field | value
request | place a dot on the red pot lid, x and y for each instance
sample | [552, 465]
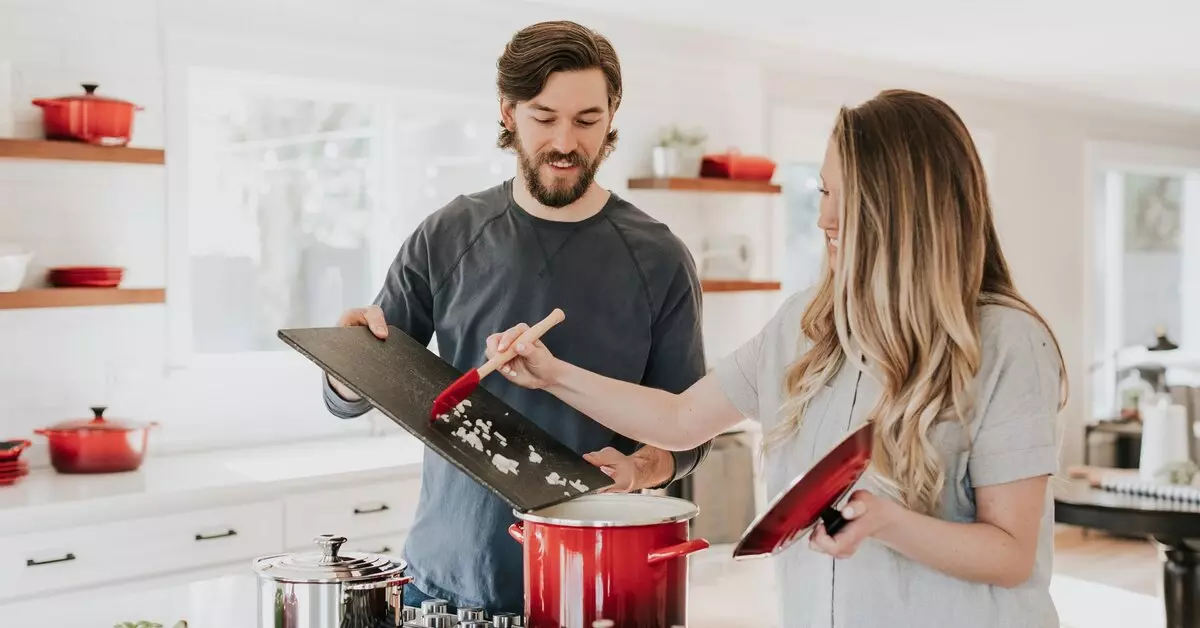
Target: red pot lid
[89, 95]
[810, 497]
[96, 423]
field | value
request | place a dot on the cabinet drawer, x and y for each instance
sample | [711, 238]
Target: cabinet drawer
[391, 545]
[355, 512]
[60, 559]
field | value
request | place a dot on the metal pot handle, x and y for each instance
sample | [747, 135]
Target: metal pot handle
[517, 532]
[401, 581]
[677, 551]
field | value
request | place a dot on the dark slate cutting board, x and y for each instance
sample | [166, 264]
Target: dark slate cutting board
[401, 378]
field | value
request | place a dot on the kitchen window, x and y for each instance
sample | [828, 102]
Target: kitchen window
[1145, 269]
[300, 194]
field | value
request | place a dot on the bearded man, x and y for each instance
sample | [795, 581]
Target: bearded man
[548, 238]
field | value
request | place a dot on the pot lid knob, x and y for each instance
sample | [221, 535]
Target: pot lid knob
[330, 545]
[90, 87]
[98, 411]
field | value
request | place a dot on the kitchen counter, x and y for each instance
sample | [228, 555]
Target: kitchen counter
[229, 600]
[46, 499]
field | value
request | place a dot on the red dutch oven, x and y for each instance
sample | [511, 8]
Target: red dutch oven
[96, 445]
[88, 118]
[615, 556]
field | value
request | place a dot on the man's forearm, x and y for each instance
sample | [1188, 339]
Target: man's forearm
[342, 390]
[340, 406]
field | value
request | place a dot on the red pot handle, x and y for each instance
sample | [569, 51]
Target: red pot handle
[517, 532]
[676, 551]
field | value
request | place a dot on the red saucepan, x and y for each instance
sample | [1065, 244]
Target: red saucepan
[615, 556]
[811, 496]
[88, 118]
[96, 445]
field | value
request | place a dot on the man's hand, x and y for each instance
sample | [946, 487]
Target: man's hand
[370, 317]
[646, 468]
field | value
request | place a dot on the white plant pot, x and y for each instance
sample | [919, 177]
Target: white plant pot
[665, 162]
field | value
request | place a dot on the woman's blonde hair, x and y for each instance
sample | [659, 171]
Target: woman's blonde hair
[918, 257]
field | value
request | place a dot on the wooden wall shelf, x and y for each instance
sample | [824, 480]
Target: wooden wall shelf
[706, 185]
[738, 285]
[77, 151]
[79, 297]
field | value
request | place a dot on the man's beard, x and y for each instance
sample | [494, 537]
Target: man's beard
[559, 194]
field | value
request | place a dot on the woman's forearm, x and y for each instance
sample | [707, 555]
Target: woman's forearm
[646, 415]
[979, 552]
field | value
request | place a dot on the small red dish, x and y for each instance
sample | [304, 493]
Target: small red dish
[12, 472]
[86, 276]
[10, 450]
[794, 512]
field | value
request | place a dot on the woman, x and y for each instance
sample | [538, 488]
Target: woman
[916, 327]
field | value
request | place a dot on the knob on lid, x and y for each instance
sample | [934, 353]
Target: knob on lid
[329, 564]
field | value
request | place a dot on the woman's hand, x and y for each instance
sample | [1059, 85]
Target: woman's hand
[533, 367]
[867, 516]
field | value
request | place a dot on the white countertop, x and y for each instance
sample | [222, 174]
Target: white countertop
[46, 499]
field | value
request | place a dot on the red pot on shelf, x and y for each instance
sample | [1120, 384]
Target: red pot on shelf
[621, 557]
[734, 165]
[97, 445]
[88, 118]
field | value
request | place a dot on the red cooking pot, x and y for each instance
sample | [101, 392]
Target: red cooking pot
[88, 118]
[614, 556]
[96, 445]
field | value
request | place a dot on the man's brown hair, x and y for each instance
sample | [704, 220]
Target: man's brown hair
[535, 52]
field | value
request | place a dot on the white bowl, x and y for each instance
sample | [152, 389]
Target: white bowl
[13, 265]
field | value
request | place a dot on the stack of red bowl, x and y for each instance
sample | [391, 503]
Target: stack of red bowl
[12, 468]
[86, 276]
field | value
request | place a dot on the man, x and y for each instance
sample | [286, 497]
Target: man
[551, 237]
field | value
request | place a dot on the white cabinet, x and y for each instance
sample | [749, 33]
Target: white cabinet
[197, 519]
[44, 562]
[355, 512]
[391, 545]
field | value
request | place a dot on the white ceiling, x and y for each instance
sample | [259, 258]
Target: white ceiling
[1148, 55]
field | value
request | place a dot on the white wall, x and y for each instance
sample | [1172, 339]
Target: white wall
[140, 49]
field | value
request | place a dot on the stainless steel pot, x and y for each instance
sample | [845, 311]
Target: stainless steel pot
[327, 590]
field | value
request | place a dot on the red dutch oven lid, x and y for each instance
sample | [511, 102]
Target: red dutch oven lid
[89, 95]
[810, 497]
[96, 423]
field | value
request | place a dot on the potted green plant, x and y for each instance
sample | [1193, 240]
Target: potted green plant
[678, 152]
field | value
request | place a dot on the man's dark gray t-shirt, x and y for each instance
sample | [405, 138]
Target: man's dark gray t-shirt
[480, 265]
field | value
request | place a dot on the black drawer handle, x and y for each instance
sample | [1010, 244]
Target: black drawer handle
[367, 511]
[29, 562]
[219, 535]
